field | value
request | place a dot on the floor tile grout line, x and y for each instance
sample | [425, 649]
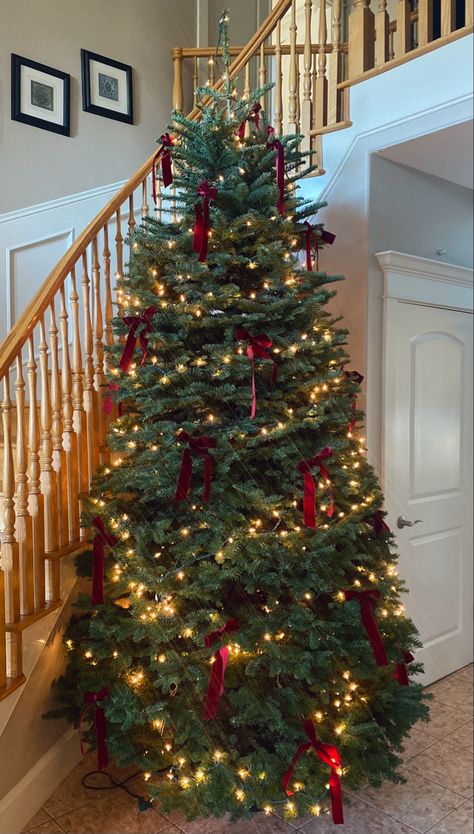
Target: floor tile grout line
[434, 782]
[390, 816]
[453, 811]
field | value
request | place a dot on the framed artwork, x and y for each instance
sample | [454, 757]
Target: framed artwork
[40, 95]
[106, 87]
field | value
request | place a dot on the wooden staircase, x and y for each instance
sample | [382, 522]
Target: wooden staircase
[55, 353]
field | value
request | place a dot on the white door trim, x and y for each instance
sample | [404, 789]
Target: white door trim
[438, 283]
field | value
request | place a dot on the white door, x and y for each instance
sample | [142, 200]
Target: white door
[427, 473]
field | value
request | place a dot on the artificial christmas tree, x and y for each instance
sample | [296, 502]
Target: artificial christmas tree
[251, 610]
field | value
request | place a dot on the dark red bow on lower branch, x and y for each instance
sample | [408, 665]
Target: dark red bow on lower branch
[216, 682]
[198, 446]
[401, 671]
[91, 699]
[253, 116]
[257, 347]
[379, 524]
[202, 223]
[164, 154]
[280, 166]
[367, 601]
[328, 754]
[357, 379]
[134, 323]
[101, 540]
[309, 500]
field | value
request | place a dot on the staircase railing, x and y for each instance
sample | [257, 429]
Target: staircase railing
[55, 354]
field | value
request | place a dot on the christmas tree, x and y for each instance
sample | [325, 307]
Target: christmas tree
[248, 649]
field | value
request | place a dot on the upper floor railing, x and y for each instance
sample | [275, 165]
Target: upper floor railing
[53, 363]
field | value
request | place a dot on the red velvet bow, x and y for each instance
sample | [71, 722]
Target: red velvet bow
[379, 524]
[367, 601]
[91, 698]
[280, 166]
[201, 225]
[357, 379]
[253, 116]
[216, 682]
[401, 672]
[101, 539]
[134, 322]
[328, 754]
[257, 347]
[309, 501]
[200, 446]
[311, 237]
[167, 171]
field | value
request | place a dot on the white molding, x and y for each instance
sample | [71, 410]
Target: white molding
[31, 792]
[61, 202]
[411, 278]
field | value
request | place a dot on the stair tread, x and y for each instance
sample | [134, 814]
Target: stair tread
[27, 620]
[11, 685]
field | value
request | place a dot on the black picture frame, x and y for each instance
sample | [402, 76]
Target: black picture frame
[91, 106]
[18, 113]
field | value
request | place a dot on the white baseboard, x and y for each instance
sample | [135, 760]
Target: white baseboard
[27, 797]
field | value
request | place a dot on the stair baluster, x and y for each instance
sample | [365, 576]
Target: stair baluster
[23, 518]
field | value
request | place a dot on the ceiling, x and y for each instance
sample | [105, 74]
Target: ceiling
[445, 153]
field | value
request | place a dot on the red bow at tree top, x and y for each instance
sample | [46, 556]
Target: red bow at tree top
[328, 754]
[91, 698]
[280, 166]
[201, 225]
[216, 683]
[401, 672]
[379, 524]
[357, 379]
[198, 446]
[257, 347]
[367, 601]
[101, 540]
[312, 238]
[253, 116]
[134, 323]
[309, 500]
[164, 153]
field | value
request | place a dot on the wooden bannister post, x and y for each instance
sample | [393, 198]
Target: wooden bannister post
[57, 434]
[361, 38]
[35, 496]
[23, 518]
[403, 35]
[307, 105]
[293, 74]
[425, 22]
[262, 73]
[90, 399]
[10, 554]
[381, 34]
[70, 437]
[448, 17]
[3, 636]
[321, 94]
[48, 473]
[468, 13]
[178, 92]
[278, 83]
[79, 413]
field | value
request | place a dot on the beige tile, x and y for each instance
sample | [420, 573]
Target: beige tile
[459, 822]
[359, 818]
[455, 691]
[443, 720]
[414, 743]
[38, 819]
[419, 803]
[462, 736]
[258, 824]
[117, 814]
[71, 794]
[447, 764]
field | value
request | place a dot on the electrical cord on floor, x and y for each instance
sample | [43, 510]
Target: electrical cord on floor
[143, 804]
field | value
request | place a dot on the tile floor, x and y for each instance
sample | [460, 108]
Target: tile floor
[436, 798]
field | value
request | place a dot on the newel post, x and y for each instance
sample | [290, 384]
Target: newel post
[178, 92]
[361, 38]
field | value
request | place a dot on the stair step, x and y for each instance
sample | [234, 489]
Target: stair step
[27, 620]
[11, 685]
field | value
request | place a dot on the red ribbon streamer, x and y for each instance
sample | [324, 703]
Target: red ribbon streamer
[134, 322]
[257, 347]
[309, 500]
[201, 225]
[311, 237]
[379, 525]
[328, 754]
[280, 166]
[357, 379]
[401, 672]
[109, 401]
[164, 153]
[101, 539]
[200, 446]
[91, 698]
[253, 116]
[216, 682]
[367, 601]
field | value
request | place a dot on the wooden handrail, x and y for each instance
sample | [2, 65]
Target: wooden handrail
[269, 51]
